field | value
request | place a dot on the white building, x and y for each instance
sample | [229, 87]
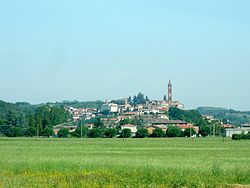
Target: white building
[133, 128]
[109, 107]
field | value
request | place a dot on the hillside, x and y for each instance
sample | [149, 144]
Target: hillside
[226, 115]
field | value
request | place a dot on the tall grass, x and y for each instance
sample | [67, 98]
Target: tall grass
[116, 163]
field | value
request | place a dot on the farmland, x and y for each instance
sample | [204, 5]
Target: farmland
[178, 162]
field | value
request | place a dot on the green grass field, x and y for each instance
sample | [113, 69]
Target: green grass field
[131, 163]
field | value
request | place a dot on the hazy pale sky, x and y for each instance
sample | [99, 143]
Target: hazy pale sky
[52, 50]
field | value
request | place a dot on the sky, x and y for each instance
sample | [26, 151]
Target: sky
[54, 50]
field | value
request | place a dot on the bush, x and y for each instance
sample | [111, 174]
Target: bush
[126, 133]
[110, 133]
[47, 132]
[174, 131]
[141, 133]
[30, 132]
[96, 133]
[63, 133]
[204, 131]
[246, 136]
[78, 130]
[236, 136]
[187, 132]
[16, 132]
[158, 132]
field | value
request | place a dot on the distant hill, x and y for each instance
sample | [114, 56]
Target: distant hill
[226, 115]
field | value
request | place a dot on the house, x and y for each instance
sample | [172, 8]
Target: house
[109, 108]
[58, 127]
[188, 126]
[133, 128]
[231, 132]
[151, 128]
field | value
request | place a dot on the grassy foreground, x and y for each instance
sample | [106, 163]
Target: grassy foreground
[147, 162]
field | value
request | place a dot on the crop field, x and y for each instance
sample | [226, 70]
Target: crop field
[178, 162]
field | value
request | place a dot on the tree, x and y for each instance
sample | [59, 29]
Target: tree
[141, 133]
[174, 131]
[204, 131]
[187, 132]
[96, 133]
[126, 121]
[30, 132]
[126, 133]
[63, 133]
[48, 132]
[110, 133]
[158, 132]
[16, 132]
[165, 97]
[78, 130]
[98, 123]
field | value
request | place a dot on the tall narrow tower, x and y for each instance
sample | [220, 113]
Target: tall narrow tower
[170, 94]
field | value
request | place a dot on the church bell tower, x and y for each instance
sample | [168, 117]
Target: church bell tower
[170, 94]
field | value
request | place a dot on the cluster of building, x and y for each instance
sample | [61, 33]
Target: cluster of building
[153, 114]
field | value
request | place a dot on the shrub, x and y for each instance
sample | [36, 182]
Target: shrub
[96, 133]
[63, 133]
[174, 131]
[236, 136]
[110, 133]
[158, 132]
[187, 132]
[78, 130]
[245, 136]
[126, 133]
[141, 133]
[30, 132]
[204, 131]
[16, 132]
[47, 132]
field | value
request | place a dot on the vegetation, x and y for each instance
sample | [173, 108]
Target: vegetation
[241, 136]
[141, 133]
[63, 133]
[125, 133]
[177, 162]
[174, 131]
[158, 132]
[226, 115]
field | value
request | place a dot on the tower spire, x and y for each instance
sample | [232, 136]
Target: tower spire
[170, 94]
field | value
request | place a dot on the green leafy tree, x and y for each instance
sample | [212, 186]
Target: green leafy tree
[126, 133]
[141, 133]
[110, 133]
[16, 132]
[98, 123]
[78, 130]
[158, 132]
[30, 132]
[47, 132]
[187, 132]
[96, 133]
[205, 131]
[63, 133]
[174, 131]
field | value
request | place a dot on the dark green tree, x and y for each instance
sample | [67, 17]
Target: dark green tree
[141, 133]
[78, 130]
[30, 132]
[126, 133]
[110, 133]
[16, 132]
[158, 132]
[188, 131]
[205, 131]
[96, 133]
[47, 132]
[98, 123]
[174, 131]
[63, 133]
